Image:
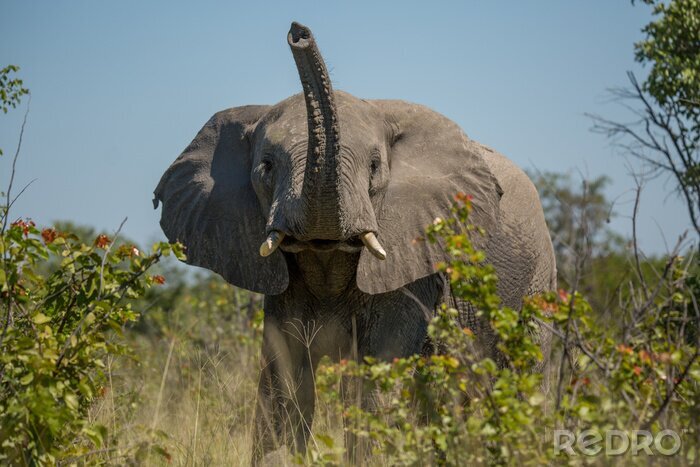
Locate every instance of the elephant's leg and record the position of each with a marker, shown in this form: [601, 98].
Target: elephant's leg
[395, 326]
[286, 397]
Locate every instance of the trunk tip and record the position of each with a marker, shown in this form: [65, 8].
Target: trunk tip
[298, 32]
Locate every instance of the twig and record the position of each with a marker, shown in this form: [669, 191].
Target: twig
[6, 214]
[20, 193]
[635, 212]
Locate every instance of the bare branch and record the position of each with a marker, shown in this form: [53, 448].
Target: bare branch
[8, 195]
[660, 138]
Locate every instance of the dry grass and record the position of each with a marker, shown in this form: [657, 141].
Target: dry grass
[195, 404]
[187, 395]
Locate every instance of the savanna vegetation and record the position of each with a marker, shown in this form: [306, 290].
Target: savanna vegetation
[111, 354]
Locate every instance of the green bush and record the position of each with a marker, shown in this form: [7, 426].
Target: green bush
[458, 408]
[64, 307]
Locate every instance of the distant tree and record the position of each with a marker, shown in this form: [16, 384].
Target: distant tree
[577, 218]
[591, 257]
[666, 132]
[11, 89]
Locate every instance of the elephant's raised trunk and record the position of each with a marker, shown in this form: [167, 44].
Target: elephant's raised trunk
[321, 174]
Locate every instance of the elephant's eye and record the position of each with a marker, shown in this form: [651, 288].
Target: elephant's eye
[375, 172]
[264, 170]
[375, 164]
[267, 165]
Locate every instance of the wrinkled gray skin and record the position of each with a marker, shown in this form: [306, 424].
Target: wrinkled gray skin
[323, 168]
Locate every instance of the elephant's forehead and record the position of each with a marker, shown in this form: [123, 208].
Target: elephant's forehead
[355, 115]
[355, 118]
[290, 124]
[287, 132]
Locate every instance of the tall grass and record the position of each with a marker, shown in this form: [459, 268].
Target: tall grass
[186, 395]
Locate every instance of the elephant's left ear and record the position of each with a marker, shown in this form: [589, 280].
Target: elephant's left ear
[431, 160]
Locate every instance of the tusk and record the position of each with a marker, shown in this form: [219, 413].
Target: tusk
[373, 245]
[271, 243]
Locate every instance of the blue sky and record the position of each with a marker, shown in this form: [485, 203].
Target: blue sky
[120, 88]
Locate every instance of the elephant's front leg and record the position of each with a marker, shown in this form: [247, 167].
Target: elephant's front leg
[286, 397]
[394, 327]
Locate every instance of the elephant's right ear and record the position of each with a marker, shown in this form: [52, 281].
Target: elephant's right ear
[209, 204]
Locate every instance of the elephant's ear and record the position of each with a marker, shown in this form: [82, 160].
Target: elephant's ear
[209, 204]
[431, 160]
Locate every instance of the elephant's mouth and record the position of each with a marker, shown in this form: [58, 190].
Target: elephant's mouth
[293, 245]
[288, 243]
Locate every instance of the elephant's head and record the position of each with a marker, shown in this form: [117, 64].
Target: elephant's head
[321, 170]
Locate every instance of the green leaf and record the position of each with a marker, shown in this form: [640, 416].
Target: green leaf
[41, 318]
[71, 401]
[26, 379]
[325, 439]
[676, 357]
[97, 434]
[536, 399]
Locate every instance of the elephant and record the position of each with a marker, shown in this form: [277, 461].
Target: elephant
[317, 202]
